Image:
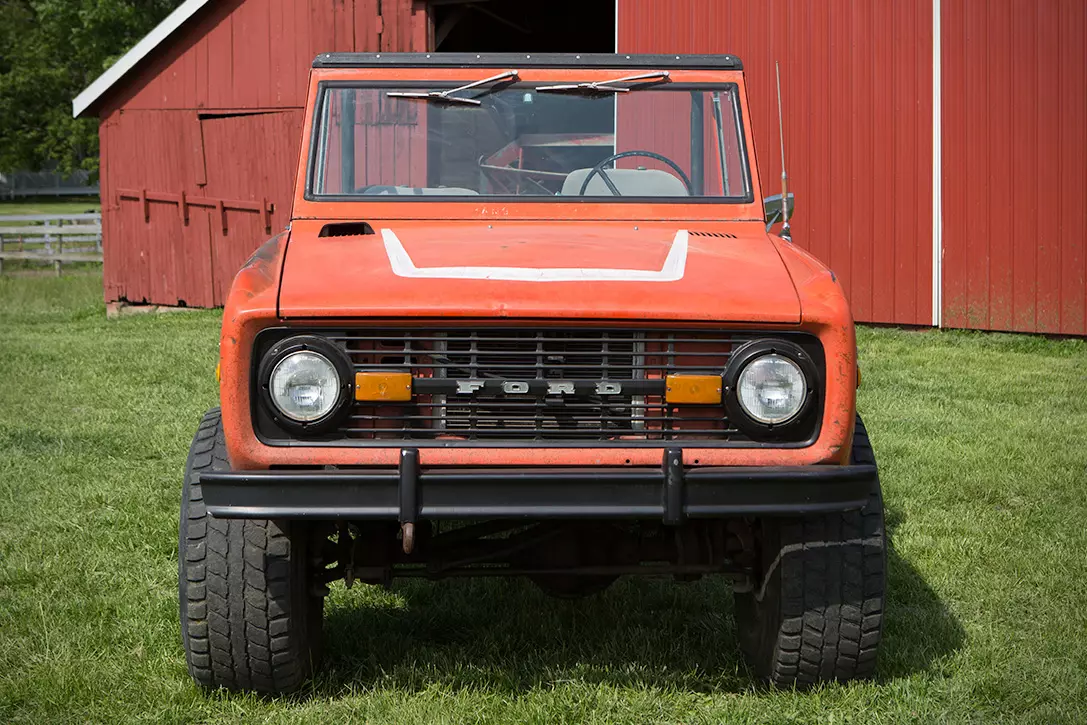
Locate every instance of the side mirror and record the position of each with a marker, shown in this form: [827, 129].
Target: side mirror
[771, 207]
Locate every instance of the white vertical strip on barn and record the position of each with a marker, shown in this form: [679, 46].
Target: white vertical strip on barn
[937, 174]
[615, 100]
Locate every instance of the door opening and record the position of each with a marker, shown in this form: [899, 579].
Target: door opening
[517, 26]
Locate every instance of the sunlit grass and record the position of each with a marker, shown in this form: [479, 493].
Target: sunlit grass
[981, 440]
[50, 205]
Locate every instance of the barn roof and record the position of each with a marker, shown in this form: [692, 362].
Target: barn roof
[129, 60]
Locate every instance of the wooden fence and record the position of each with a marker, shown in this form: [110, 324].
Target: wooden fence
[51, 239]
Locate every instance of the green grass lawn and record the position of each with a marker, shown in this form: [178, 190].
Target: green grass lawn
[50, 205]
[981, 440]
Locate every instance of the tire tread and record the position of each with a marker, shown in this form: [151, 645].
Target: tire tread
[828, 617]
[235, 585]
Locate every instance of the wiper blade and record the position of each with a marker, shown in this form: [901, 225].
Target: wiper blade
[447, 95]
[644, 79]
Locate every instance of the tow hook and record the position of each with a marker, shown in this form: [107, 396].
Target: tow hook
[409, 497]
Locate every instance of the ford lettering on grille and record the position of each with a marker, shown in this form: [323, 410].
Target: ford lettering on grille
[533, 387]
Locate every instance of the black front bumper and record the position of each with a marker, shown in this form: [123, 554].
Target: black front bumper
[672, 492]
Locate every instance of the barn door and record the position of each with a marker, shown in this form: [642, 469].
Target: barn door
[156, 251]
[250, 158]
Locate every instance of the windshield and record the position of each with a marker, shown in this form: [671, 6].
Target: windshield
[664, 143]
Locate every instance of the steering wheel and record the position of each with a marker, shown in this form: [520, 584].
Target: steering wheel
[599, 169]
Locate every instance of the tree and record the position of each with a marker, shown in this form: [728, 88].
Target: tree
[50, 50]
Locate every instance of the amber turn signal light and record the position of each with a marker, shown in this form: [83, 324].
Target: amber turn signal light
[705, 389]
[375, 386]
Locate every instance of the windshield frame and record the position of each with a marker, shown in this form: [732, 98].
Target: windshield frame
[324, 86]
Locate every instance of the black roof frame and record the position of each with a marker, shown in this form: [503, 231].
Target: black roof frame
[534, 60]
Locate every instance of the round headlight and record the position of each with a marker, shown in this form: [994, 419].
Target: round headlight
[305, 386]
[771, 389]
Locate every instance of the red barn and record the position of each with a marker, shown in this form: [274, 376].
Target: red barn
[936, 148]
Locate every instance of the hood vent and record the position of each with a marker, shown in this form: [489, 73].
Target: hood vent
[346, 229]
[720, 235]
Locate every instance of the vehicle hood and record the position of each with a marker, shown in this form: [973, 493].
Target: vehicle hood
[729, 272]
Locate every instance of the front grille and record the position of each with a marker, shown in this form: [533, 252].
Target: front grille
[591, 385]
[559, 386]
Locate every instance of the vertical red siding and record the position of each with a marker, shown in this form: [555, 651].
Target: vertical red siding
[953, 143]
[255, 53]
[862, 131]
[161, 260]
[857, 89]
[1073, 177]
[216, 112]
[1015, 164]
[883, 177]
[648, 121]
[390, 148]
[251, 177]
[661, 124]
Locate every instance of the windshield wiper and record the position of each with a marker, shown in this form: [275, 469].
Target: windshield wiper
[645, 79]
[448, 97]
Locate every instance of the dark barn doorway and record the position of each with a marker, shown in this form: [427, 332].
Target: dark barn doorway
[517, 26]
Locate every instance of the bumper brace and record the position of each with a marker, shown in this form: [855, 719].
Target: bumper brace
[672, 492]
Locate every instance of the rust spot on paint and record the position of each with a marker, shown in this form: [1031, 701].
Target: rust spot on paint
[261, 270]
[265, 256]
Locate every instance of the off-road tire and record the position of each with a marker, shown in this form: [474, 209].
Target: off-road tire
[250, 619]
[816, 615]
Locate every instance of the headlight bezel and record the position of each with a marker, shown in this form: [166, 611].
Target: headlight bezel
[799, 426]
[335, 355]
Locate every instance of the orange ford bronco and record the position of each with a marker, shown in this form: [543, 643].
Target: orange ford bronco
[528, 320]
